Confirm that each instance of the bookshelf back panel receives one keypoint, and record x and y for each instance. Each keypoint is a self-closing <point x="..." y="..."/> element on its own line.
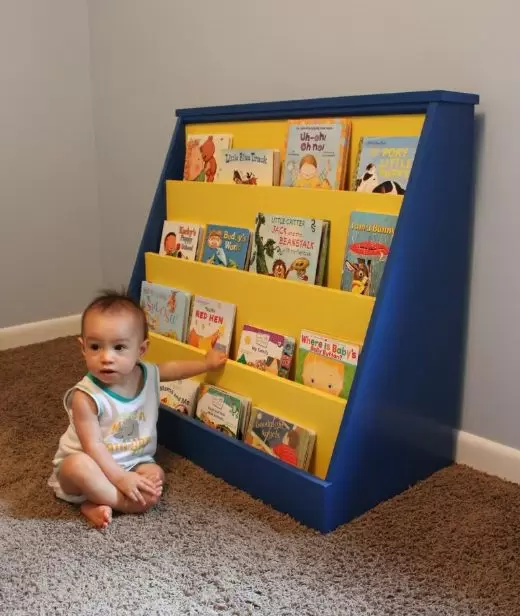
<point x="272" y="133"/>
<point x="310" y="408"/>
<point x="237" y="205"/>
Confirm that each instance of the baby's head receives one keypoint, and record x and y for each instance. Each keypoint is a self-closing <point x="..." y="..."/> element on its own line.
<point x="114" y="336"/>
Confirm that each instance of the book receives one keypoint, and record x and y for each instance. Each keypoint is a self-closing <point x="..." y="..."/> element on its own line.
<point x="166" y="309"/>
<point x="180" y="239"/>
<point x="181" y="395"/>
<point x="223" y="410"/>
<point x="211" y="324"/>
<point x="226" y="246"/>
<point x="266" y="350"/>
<point x="280" y="438"/>
<point x="326" y="363"/>
<point x="286" y="247"/>
<point x="203" y="156"/>
<point x="368" y="246"/>
<point x="323" y="259"/>
<point x="253" y="167"/>
<point x="384" y="164"/>
<point x="316" y="153"/>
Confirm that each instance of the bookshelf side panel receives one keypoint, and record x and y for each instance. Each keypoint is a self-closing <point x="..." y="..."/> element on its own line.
<point x="404" y="408"/>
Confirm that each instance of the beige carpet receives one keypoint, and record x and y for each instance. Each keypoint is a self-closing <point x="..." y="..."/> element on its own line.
<point x="450" y="546"/>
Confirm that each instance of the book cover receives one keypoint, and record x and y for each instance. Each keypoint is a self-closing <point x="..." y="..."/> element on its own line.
<point x="326" y="363"/>
<point x="166" y="309"/>
<point x="180" y="239"/>
<point x="286" y="247"/>
<point x="219" y="409"/>
<point x="368" y="246"/>
<point x="203" y="156"/>
<point x="211" y="324"/>
<point x="279" y="438"/>
<point x="180" y="395"/>
<point x="253" y="167"/>
<point x="266" y="350"/>
<point x="316" y="153"/>
<point x="384" y="164"/>
<point x="226" y="246"/>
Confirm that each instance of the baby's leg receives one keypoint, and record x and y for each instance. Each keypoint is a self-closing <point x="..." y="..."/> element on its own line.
<point x="79" y="474"/>
<point x="151" y="471"/>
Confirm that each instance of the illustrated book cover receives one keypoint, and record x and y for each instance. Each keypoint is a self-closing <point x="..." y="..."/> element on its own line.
<point x="226" y="246"/>
<point x="266" y="350"/>
<point x="384" y="164"/>
<point x="166" y="309"/>
<point x="316" y="153"/>
<point x="203" y="156"/>
<point x="368" y="246"/>
<point x="326" y="363"/>
<point x="180" y="239"/>
<point x="251" y="167"/>
<point x="211" y="324"/>
<point x="181" y="395"/>
<point x="223" y="410"/>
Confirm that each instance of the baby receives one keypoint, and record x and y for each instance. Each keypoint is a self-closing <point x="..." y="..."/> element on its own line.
<point x="105" y="459"/>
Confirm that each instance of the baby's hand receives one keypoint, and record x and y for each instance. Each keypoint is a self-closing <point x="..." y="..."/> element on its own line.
<point x="131" y="484"/>
<point x="215" y="360"/>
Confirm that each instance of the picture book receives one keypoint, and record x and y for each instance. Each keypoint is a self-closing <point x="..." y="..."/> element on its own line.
<point x="203" y="156"/>
<point x="323" y="259"/>
<point x="326" y="363"/>
<point x="222" y="410"/>
<point x="368" y="246"/>
<point x="180" y="239"/>
<point x="253" y="167"/>
<point x="279" y="438"/>
<point x="226" y="246"/>
<point x="316" y="153"/>
<point x="384" y="164"/>
<point x="166" y="309"/>
<point x="180" y="395"/>
<point x="286" y="247"/>
<point x="266" y="350"/>
<point x="211" y="324"/>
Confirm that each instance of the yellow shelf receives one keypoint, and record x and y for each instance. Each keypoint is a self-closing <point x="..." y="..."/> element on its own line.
<point x="310" y="408"/>
<point x="284" y="306"/>
<point x="237" y="205"/>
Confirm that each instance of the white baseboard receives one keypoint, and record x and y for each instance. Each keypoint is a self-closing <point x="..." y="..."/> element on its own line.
<point x="40" y="331"/>
<point x="488" y="456"/>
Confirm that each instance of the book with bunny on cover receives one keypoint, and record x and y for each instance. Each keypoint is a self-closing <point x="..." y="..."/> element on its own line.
<point x="203" y="156"/>
<point x="280" y="438"/>
<point x="316" y="153"/>
<point x="166" y="309"/>
<point x="211" y="324"/>
<point x="326" y="363"/>
<point x="287" y="247"/>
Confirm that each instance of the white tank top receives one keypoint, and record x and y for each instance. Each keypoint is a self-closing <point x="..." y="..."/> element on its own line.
<point x="128" y="425"/>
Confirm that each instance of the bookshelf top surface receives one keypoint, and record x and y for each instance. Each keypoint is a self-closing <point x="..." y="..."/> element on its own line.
<point x="358" y="104"/>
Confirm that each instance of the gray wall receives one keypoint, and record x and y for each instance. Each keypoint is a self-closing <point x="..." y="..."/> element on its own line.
<point x="49" y="224"/>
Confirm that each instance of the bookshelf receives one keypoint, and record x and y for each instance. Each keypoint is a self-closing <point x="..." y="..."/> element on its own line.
<point x="400" y="421"/>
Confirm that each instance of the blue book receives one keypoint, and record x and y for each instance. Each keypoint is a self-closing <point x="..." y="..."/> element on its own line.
<point x="384" y="164"/>
<point x="368" y="246"/>
<point x="226" y="246"/>
<point x="166" y="309"/>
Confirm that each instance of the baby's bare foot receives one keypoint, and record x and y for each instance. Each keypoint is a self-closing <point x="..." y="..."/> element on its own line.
<point x="99" y="516"/>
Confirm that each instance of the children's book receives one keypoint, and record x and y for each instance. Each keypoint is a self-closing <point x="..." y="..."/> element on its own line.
<point x="203" y="156"/>
<point x="384" y="164"/>
<point x="286" y="247"/>
<point x="180" y="395"/>
<point x="323" y="259"/>
<point x="180" y="239"/>
<point x="368" y="246"/>
<point x="166" y="309"/>
<point x="326" y="363"/>
<point x="251" y="167"/>
<point x="266" y="350"/>
<point x="316" y="153"/>
<point x="280" y="438"/>
<point x="211" y="324"/>
<point x="226" y="246"/>
<point x="222" y="410"/>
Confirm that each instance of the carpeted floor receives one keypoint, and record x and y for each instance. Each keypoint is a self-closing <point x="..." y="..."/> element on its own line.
<point x="449" y="546"/>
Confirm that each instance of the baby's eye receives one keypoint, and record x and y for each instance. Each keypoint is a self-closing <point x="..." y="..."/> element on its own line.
<point x="94" y="347"/>
<point x="120" y="347"/>
<point x="329" y="385"/>
<point x="312" y="380"/>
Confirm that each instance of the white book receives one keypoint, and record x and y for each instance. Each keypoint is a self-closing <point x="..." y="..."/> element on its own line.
<point x="180" y="239"/>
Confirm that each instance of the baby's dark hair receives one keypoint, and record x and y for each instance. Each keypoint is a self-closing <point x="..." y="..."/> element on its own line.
<point x="110" y="299"/>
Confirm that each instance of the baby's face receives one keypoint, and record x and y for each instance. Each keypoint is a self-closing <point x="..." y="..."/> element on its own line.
<point x="112" y="344"/>
<point x="307" y="171"/>
<point x="170" y="243"/>
<point x="322" y="376"/>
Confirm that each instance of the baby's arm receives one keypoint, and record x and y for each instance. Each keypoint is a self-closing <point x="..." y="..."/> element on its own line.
<point x="176" y="370"/>
<point x="84" y="413"/>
